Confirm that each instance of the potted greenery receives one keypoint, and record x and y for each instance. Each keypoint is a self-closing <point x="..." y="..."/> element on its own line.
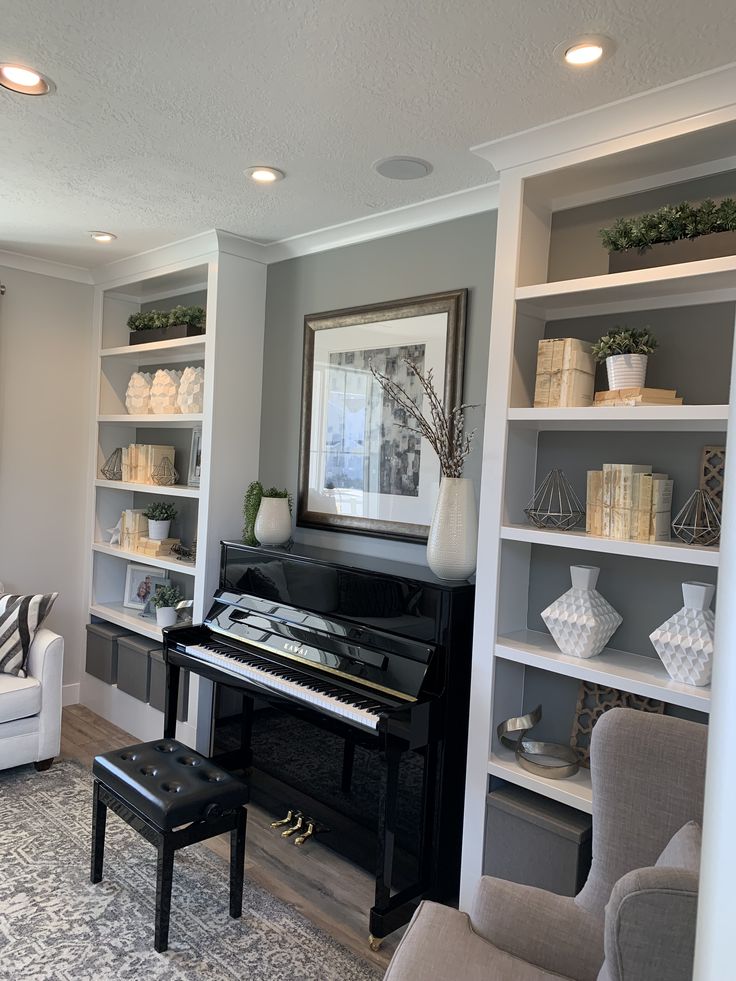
<point x="267" y="515"/>
<point x="161" y="325"/>
<point x="160" y="514"/>
<point x="675" y="233"/>
<point x="165" y="599"/>
<point x="625" y="351"/>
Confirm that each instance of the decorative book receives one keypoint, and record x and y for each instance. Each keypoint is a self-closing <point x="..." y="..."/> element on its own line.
<point x="637" y="396"/>
<point x="565" y="373"/>
<point x="628" y="502"/>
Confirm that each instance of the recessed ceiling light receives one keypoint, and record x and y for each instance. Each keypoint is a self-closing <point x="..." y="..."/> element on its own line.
<point x="585" y="51"/>
<point x="103" y="236"/>
<point x="265" y="175"/>
<point x="24" y="80"/>
<point x="403" y="168"/>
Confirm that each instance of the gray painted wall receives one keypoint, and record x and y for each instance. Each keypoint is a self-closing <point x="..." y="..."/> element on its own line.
<point x="452" y="255"/>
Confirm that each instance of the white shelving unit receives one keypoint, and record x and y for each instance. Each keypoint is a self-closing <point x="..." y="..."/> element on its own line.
<point x="231" y="352"/>
<point x="516" y="663"/>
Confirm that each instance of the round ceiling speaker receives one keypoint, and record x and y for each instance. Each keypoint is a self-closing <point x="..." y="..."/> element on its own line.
<point x="403" y="168"/>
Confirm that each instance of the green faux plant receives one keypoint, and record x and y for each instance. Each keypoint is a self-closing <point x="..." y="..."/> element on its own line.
<point x="624" y="340"/>
<point x="252" y="501"/>
<point x="189" y="316"/>
<point x="669" y="224"/>
<point x="160" y="511"/>
<point x="142" y="321"/>
<point x="166" y="596"/>
<point x="153" y="319"/>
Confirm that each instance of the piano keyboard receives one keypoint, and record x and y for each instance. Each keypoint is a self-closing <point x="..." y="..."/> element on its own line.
<point x="284" y="681"/>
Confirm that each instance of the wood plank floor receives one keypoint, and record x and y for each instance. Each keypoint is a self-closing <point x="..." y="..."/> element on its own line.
<point x="330" y="891"/>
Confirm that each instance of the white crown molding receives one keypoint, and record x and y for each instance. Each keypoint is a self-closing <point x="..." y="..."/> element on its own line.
<point x="155" y="262"/>
<point x="688" y="99"/>
<point x="45" y="267"/>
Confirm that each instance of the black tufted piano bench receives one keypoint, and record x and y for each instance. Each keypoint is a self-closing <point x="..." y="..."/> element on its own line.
<point x="173" y="797"/>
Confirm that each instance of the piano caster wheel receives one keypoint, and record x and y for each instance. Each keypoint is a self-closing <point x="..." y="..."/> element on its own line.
<point x="309" y="833"/>
<point x="294" y="828"/>
<point x="374" y="942"/>
<point x="287" y="820"/>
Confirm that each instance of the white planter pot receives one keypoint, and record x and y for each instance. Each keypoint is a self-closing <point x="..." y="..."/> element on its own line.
<point x="453" y="534"/>
<point x="165" y="616"/>
<point x="158" y="530"/>
<point x="685" y="641"/>
<point x="626" y="371"/>
<point x="273" y="521"/>
<point x="581" y="621"/>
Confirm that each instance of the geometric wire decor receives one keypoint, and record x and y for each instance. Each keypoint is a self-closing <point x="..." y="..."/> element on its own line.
<point x="113" y="466"/>
<point x="165" y="473"/>
<point x="555" y="504"/>
<point x="699" y="522"/>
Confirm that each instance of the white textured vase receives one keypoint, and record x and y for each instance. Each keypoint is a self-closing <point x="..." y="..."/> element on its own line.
<point x="165" y="616"/>
<point x="158" y="530"/>
<point x="273" y="521"/>
<point x="626" y="371"/>
<point x="581" y="621"/>
<point x="164" y="391"/>
<point x="190" y="397"/>
<point x="685" y="641"/>
<point x="138" y="393"/>
<point x="453" y="534"/>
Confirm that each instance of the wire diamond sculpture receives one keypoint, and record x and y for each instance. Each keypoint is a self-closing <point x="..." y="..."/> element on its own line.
<point x="555" y="504"/>
<point x="113" y="466"/>
<point x="165" y="473"/>
<point x="699" y="522"/>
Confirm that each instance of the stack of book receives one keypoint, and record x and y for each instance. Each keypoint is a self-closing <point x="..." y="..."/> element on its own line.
<point x="148" y="546"/>
<point x="628" y="502"/>
<point x="565" y="373"/>
<point x="139" y="459"/>
<point x="133" y="526"/>
<point x="638" y="396"/>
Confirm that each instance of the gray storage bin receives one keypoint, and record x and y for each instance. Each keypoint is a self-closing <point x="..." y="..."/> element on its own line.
<point x="102" y="651"/>
<point x="157" y="691"/>
<point x="535" y="841"/>
<point x="134" y="666"/>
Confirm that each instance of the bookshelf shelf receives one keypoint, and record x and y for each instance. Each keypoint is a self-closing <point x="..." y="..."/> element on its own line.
<point x="174" y="490"/>
<point x="575" y="791"/>
<point x="664" y="551"/>
<point x="634" y="673"/>
<point x="644" y="418"/>
<point x="172" y="564"/>
<point x="123" y="617"/>
<point x="177" y="350"/>
<point x="157" y="421"/>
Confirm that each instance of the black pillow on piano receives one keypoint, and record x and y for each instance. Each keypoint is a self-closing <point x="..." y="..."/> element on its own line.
<point x="369" y="596"/>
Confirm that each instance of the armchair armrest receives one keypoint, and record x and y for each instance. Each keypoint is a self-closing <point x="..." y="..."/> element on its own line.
<point x="45" y="664"/>
<point x="650" y="925"/>
<point x="542" y="928"/>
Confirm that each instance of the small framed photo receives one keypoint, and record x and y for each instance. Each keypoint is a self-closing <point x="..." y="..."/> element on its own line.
<point x="195" y="458"/>
<point x="141" y="582"/>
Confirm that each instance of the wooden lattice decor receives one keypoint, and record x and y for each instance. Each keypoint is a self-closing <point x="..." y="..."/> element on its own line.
<point x="712" y="466"/>
<point x="593" y="701"/>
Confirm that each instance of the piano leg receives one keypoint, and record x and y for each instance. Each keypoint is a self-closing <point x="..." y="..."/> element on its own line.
<point x="348" y="759"/>
<point x="172" y="698"/>
<point x="387" y="824"/>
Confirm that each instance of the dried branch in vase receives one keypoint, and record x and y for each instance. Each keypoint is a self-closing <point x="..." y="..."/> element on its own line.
<point x="443" y="430"/>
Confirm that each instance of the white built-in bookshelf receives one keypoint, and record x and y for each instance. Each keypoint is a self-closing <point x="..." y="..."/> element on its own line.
<point x="232" y="288"/>
<point x="522" y="568"/>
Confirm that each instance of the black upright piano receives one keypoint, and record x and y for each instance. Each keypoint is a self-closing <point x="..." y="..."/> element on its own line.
<point x="341" y="692"/>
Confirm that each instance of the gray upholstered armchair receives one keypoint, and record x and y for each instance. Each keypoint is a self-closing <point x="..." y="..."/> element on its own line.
<point x="638" y="907"/>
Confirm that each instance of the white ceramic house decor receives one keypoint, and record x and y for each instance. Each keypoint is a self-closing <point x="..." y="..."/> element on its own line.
<point x="581" y="621"/>
<point x="685" y="641"/>
<point x="190" y="397"/>
<point x="453" y="535"/>
<point x="273" y="521"/>
<point x="138" y="393"/>
<point x="626" y="371"/>
<point x="164" y="391"/>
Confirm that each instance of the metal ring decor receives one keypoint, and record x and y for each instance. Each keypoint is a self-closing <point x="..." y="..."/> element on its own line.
<point x="553" y="760"/>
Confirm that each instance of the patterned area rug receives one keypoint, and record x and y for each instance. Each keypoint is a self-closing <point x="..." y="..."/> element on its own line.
<point x="56" y="926"/>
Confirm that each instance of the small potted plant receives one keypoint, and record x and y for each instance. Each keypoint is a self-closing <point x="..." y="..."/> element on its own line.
<point x="625" y="351"/>
<point x="267" y="515"/>
<point x="160" y="514"/>
<point x="165" y="599"/>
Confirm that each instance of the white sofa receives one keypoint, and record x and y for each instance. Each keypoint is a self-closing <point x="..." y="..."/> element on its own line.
<point x="30" y="708"/>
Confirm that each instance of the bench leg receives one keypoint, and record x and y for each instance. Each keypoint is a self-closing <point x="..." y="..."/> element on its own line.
<point x="237" y="864"/>
<point x="99" y="818"/>
<point x="164" y="876"/>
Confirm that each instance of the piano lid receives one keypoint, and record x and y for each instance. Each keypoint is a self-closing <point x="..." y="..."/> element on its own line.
<point x="384" y="663"/>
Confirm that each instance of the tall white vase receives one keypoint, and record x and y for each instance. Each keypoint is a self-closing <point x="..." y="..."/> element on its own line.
<point x="453" y="534"/>
<point x="581" y="621"/>
<point x="273" y="521"/>
<point x="685" y="641"/>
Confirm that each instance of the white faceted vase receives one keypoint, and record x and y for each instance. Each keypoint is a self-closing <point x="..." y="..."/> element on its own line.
<point x="138" y="393"/>
<point x="273" y="521"/>
<point x="190" y="397"/>
<point x="453" y="535"/>
<point x="685" y="641"/>
<point x="164" y="391"/>
<point x="581" y="621"/>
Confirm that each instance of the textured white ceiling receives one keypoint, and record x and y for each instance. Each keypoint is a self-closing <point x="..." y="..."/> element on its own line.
<point x="161" y="105"/>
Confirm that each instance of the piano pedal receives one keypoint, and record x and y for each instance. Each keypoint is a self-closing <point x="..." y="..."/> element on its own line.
<point x="287" y="820"/>
<point x="309" y="833"/>
<point x="295" y="827"/>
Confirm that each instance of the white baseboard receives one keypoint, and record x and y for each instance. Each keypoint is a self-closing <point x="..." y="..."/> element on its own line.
<point x="70" y="694"/>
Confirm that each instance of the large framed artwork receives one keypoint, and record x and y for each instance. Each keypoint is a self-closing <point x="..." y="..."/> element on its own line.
<point x="360" y="469"/>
